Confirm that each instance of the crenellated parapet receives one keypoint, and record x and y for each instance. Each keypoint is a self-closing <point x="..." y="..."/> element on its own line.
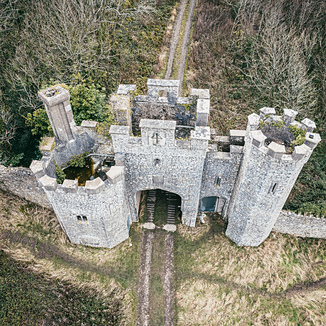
<point x="245" y="176"/>
<point x="276" y="148"/>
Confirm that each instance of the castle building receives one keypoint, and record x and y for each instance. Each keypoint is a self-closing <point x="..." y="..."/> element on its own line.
<point x="163" y="141"/>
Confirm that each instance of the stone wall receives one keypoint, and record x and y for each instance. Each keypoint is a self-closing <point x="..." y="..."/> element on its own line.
<point x="299" y="225"/>
<point x="156" y="160"/>
<point x="97" y="219"/>
<point x="22" y="182"/>
<point x="266" y="177"/>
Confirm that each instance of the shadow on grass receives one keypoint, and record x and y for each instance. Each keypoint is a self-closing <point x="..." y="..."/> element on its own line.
<point x="123" y="269"/>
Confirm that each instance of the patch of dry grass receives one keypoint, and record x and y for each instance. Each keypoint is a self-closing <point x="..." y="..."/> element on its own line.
<point x="32" y="234"/>
<point x="221" y="283"/>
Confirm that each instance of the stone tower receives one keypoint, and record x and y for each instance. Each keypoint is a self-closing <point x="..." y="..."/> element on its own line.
<point x="58" y="108"/>
<point x="267" y="173"/>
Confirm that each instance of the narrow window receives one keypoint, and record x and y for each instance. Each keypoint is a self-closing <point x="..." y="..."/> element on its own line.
<point x="157" y="162"/>
<point x="156" y="138"/>
<point x="162" y="93"/>
<point x="218" y="181"/>
<point x="273" y="188"/>
<point x="84" y="218"/>
<point x="79" y="218"/>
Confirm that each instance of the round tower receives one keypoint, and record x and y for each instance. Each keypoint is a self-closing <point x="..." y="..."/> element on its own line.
<point x="276" y="148"/>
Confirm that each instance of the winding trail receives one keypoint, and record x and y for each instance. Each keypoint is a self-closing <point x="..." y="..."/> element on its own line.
<point x="149" y="235"/>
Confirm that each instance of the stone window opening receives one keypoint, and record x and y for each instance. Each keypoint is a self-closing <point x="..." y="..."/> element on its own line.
<point x="157" y="162"/>
<point x="163" y="93"/>
<point x="273" y="188"/>
<point x="218" y="181"/>
<point x="156" y="139"/>
<point x="81" y="218"/>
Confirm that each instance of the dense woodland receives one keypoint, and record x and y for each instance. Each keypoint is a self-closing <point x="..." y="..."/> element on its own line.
<point x="256" y="53"/>
<point x="89" y="45"/>
<point x="249" y="53"/>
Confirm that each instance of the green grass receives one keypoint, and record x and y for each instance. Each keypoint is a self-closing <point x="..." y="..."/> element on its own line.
<point x="161" y="205"/>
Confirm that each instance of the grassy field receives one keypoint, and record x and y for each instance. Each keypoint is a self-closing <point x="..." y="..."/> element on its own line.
<point x="282" y="282"/>
<point x="51" y="265"/>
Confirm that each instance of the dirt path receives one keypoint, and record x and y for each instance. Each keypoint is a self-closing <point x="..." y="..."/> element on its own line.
<point x="168" y="286"/>
<point x="149" y="236"/>
<point x="144" y="279"/>
<point x="185" y="44"/>
<point x="175" y="38"/>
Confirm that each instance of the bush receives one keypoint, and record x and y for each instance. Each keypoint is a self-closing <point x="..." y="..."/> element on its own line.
<point x="60" y="174"/>
<point x="78" y="161"/>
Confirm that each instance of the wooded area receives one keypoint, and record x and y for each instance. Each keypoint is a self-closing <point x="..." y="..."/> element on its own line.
<point x="249" y="53"/>
<point x="92" y="46"/>
<point x="256" y="53"/>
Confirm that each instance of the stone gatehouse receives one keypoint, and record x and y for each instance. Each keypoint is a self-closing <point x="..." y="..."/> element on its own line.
<point x="163" y="141"/>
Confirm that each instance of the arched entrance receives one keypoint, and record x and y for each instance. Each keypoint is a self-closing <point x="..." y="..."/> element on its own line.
<point x="158" y="206"/>
<point x="212" y="204"/>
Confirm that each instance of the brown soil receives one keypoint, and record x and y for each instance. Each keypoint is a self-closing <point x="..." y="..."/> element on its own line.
<point x="144" y="278"/>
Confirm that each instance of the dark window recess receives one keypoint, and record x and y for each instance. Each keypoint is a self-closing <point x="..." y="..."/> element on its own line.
<point x="163" y="93"/>
<point x="79" y="218"/>
<point x="218" y="181"/>
<point x="157" y="162"/>
<point x="273" y="188"/>
<point x="156" y="138"/>
<point x="84" y="218"/>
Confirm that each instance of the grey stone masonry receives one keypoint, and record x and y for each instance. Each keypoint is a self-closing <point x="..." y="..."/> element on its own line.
<point x="266" y="177"/>
<point x="245" y="176"/>
<point x="155" y="160"/>
<point x="58" y="108"/>
<point x="300" y="225"/>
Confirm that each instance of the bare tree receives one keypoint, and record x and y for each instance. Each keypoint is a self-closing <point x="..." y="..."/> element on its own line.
<point x="277" y="62"/>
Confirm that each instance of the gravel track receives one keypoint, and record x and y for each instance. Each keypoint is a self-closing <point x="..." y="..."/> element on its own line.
<point x="175" y="38"/>
<point x="185" y="45"/>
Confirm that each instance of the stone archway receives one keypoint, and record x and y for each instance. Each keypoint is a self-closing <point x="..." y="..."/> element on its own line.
<point x="158" y="206"/>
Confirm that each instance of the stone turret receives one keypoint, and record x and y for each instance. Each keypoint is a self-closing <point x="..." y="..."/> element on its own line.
<point x="58" y="108"/>
<point x="270" y="166"/>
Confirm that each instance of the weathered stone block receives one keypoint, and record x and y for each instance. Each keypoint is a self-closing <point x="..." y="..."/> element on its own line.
<point x="308" y="125"/>
<point x="121" y="130"/>
<point x="202" y="112"/>
<point x="276" y="150"/>
<point x="300" y="152"/>
<point x="201" y="93"/>
<point x="115" y="174"/>
<point x="266" y="111"/>
<point x="312" y="139"/>
<point x="48" y="183"/>
<point x="46" y="144"/>
<point x="70" y="186"/>
<point x="37" y="168"/>
<point x="125" y="89"/>
<point x="94" y="186"/>
<point x="89" y="124"/>
<point x="253" y="121"/>
<point x="289" y="116"/>
<point x="258" y="138"/>
<point x="236" y="149"/>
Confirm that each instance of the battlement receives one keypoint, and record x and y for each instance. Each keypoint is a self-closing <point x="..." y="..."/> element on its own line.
<point x="275" y="135"/>
<point x="163" y="141"/>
